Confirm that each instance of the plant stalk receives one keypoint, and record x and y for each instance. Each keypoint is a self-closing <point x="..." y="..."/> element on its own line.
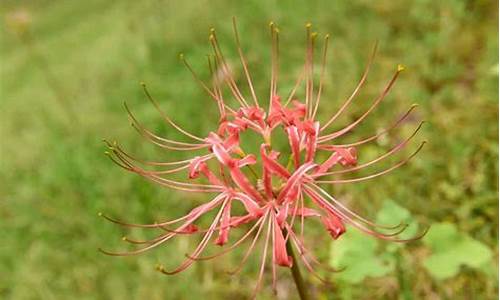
<point x="297" y="277"/>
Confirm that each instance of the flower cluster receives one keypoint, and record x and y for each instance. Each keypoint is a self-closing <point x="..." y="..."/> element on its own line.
<point x="277" y="190"/>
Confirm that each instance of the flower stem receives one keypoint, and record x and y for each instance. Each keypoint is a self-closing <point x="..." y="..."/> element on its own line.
<point x="297" y="277"/>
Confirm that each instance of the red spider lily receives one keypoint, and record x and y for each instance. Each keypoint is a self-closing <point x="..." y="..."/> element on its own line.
<point x="278" y="198"/>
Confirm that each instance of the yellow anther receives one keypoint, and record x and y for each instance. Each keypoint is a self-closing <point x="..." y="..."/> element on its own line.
<point x="401" y="68"/>
<point x="159" y="268"/>
<point x="240" y="152"/>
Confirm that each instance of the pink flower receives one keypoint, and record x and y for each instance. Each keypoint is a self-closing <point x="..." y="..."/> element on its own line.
<point x="276" y="197"/>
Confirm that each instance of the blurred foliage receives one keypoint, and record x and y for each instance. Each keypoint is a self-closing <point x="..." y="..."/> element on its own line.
<point x="356" y="257"/>
<point x="360" y="256"/>
<point x="451" y="249"/>
<point x="67" y="66"/>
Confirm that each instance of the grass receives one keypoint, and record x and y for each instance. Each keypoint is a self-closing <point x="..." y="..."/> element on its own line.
<point x="62" y="90"/>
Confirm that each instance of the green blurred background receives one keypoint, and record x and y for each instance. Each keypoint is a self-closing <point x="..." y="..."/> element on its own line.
<point x="67" y="67"/>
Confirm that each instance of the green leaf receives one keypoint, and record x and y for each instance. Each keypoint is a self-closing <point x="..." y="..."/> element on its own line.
<point x="393" y="214"/>
<point x="452" y="249"/>
<point x="356" y="252"/>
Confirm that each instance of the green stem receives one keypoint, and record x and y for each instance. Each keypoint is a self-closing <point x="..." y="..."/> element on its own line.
<point x="297" y="277"/>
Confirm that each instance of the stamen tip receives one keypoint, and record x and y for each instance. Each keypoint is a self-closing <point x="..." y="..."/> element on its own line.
<point x="100" y="214"/>
<point x="401" y="67"/>
<point x="159" y="268"/>
<point x="181" y="56"/>
<point x="142" y="83"/>
<point x="124" y="238"/>
<point x="308" y="25"/>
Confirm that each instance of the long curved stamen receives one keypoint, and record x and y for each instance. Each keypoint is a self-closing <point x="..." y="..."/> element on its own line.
<point x="376" y="136"/>
<point x="355" y="215"/>
<point x="394" y="150"/>
<point x="263" y="262"/>
<point x="142" y="129"/>
<point x="149" y="136"/>
<point x="305" y="261"/>
<point x="303" y="251"/>
<point x="165" y="117"/>
<point x="217" y="67"/>
<point x="302" y="218"/>
<point x="117" y="152"/>
<point x="138" y="170"/>
<point x="295" y="87"/>
<point x="356" y="90"/>
<point x="168" y="231"/>
<point x="226" y="70"/>
<point x="158" y="241"/>
<point x="215" y="96"/>
<point x="244" y="63"/>
<point x="174" y="185"/>
<point x="138" y="251"/>
<point x="401" y="163"/>
<point x="140" y="242"/>
<point x="213" y="203"/>
<point x="201" y="246"/>
<point x="322" y="76"/>
<point x="292" y="221"/>
<point x="390" y="237"/>
<point x="154" y="163"/>
<point x="274" y="62"/>
<point x="115" y="147"/>
<point x="252" y="245"/>
<point x="273" y="261"/>
<point x="332" y="209"/>
<point x="375" y="103"/>
<point x="216" y="88"/>
<point x="155" y="225"/>
<point x="233" y="246"/>
<point x="185" y="184"/>
<point x="167" y="182"/>
<point x="310" y="38"/>
<point x="184" y="231"/>
<point x="162" y="142"/>
<point x="346" y="215"/>
<point x="164" y="172"/>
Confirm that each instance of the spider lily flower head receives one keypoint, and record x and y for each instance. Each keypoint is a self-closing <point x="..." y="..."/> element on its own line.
<point x="276" y="197"/>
